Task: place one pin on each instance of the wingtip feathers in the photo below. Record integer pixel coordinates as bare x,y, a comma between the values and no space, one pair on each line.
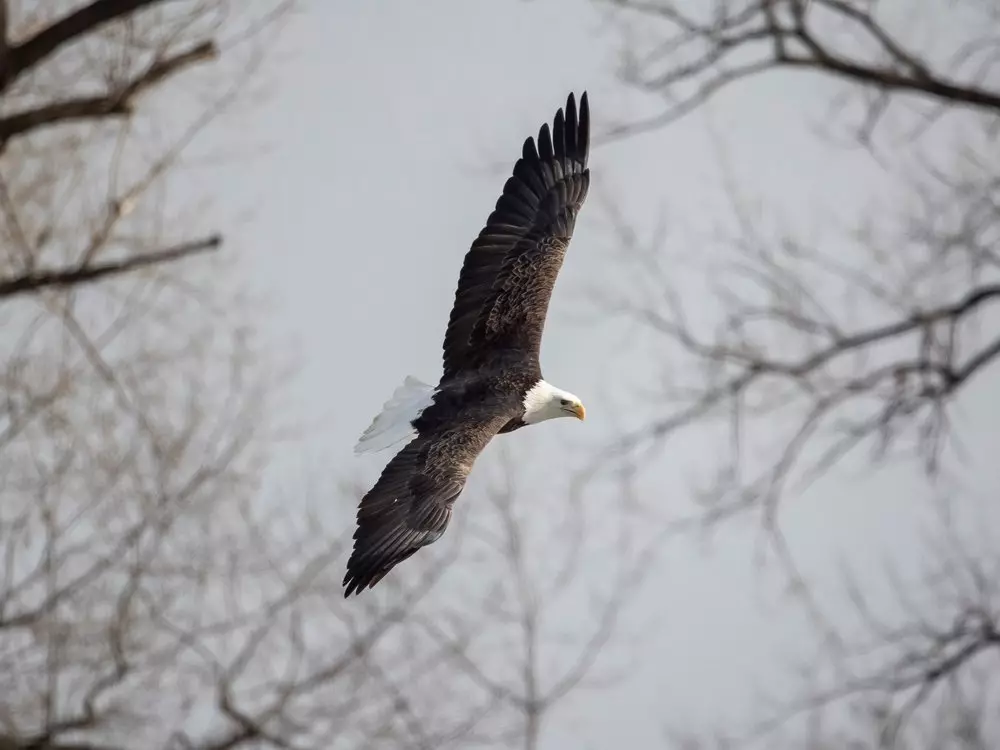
567,137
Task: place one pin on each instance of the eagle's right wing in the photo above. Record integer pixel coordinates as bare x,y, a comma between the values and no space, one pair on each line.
508,274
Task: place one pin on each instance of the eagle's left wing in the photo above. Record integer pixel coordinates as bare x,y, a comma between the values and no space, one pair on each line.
410,505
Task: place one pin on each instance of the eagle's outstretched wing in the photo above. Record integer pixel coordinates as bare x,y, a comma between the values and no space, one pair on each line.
410,505
509,272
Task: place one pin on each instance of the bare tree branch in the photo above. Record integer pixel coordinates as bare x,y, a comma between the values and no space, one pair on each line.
4,31
115,103
699,58
94,272
25,55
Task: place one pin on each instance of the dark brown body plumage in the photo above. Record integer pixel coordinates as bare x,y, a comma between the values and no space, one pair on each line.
491,349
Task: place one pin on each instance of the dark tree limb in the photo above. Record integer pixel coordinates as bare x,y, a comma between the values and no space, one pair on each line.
113,103
12,743
3,35
35,282
698,59
21,58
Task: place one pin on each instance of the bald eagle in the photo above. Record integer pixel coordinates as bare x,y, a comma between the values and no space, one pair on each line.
491,382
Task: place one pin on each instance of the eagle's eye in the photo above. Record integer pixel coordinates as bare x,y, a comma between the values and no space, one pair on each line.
563,402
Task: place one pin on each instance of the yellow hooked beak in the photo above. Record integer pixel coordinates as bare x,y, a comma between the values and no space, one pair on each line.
580,412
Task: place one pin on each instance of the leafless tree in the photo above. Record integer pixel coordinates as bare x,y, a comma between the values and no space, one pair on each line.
816,351
531,611
150,596
546,587
133,412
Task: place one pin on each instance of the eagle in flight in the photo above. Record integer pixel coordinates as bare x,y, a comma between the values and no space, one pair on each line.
492,381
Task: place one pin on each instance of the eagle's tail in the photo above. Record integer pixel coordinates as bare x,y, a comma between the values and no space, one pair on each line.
395,422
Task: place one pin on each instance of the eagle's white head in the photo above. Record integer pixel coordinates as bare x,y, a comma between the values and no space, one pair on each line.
545,401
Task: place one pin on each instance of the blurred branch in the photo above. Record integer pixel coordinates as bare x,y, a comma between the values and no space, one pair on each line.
34,282
703,53
40,743
22,57
539,570
4,44
114,103
827,353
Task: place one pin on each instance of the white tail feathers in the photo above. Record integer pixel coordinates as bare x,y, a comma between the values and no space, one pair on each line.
393,424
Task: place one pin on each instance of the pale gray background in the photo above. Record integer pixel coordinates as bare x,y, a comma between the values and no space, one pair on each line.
369,173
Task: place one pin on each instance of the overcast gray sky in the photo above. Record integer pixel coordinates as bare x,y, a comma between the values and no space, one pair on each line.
383,128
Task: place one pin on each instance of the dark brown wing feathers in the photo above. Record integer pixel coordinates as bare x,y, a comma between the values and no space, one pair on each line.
501,303
508,274
405,510
410,505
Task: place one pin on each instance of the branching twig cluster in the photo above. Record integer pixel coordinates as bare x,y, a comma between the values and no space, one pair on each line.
702,49
807,352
